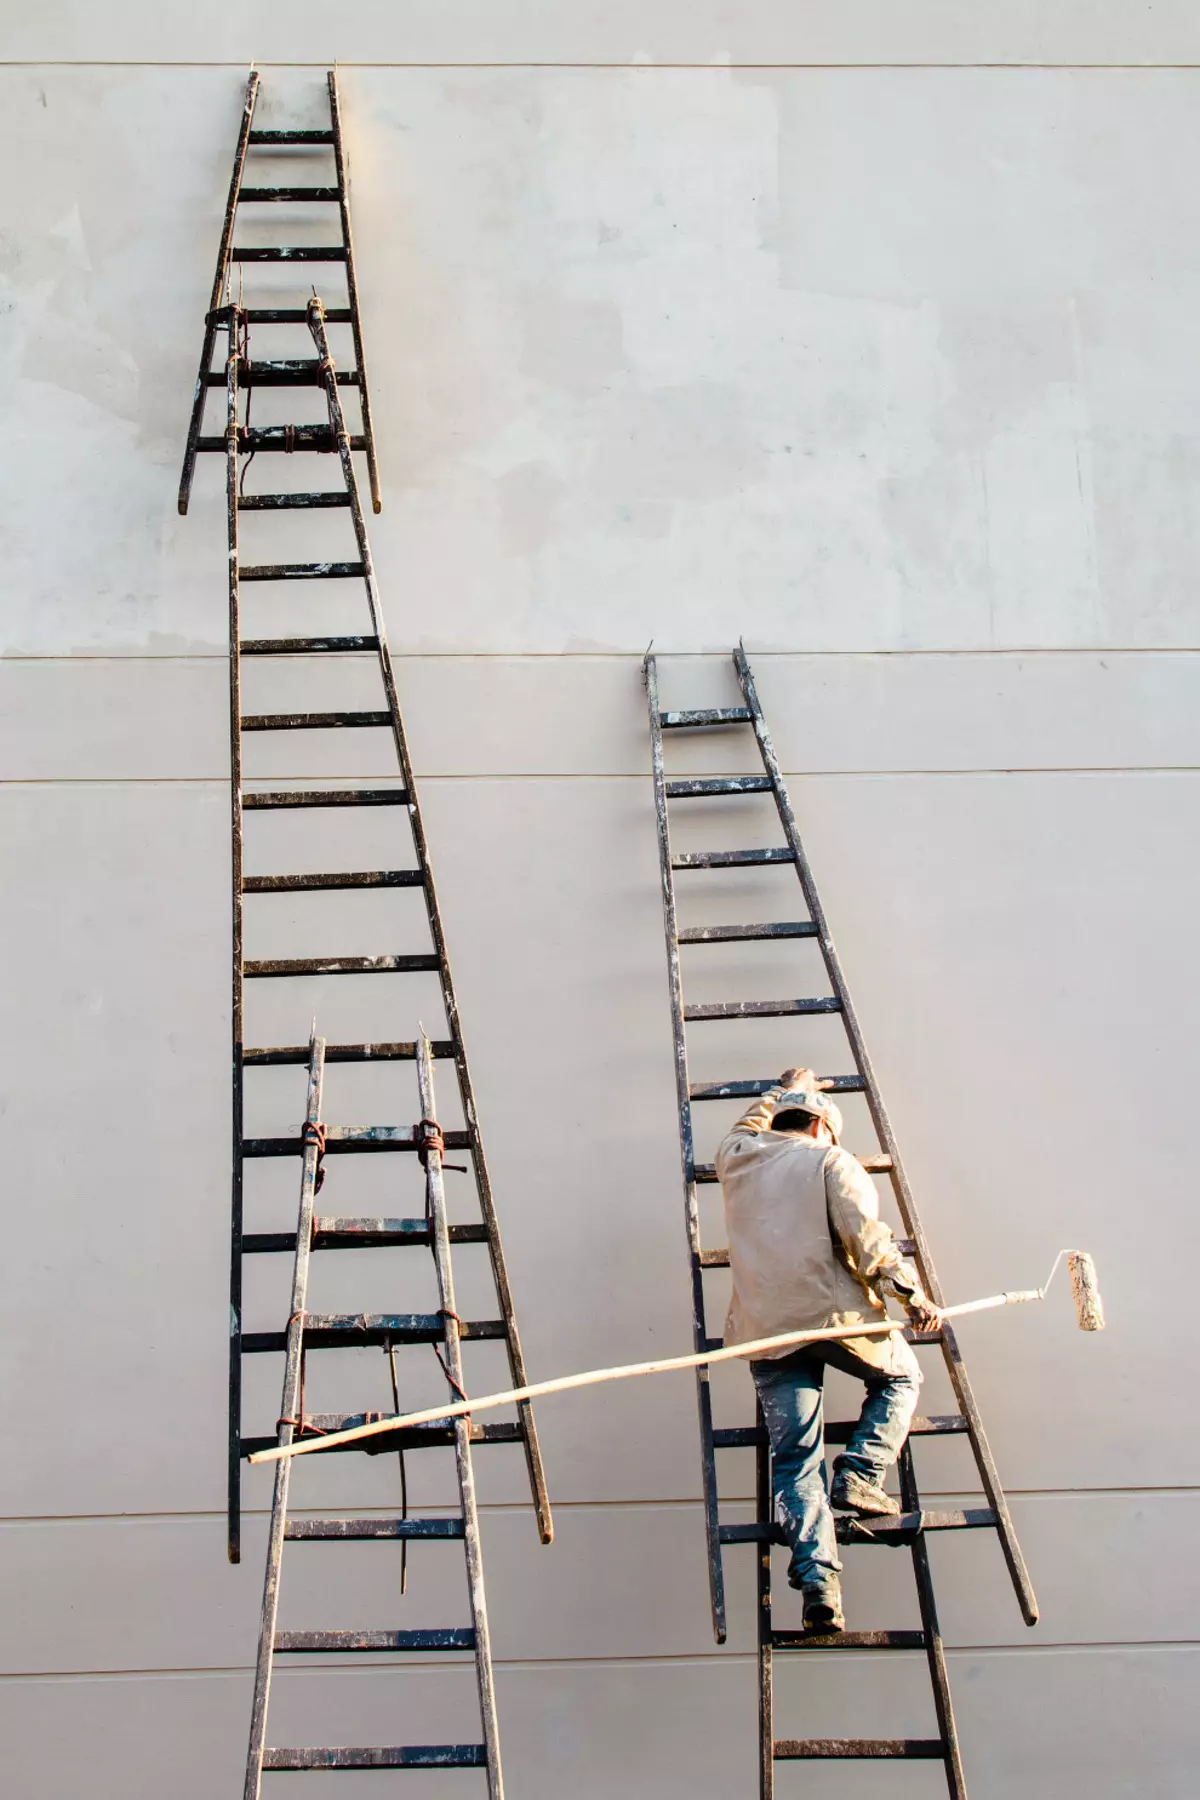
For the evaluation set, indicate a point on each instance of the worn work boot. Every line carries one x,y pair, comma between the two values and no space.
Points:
852,1492
823,1615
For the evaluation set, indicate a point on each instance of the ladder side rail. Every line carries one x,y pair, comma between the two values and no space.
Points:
288,1415
237,904
343,185
716,1573
218,288
516,1360
960,1382
766,1653
435,1202
943,1704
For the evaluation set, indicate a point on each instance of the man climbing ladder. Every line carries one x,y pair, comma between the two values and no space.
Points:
807,1249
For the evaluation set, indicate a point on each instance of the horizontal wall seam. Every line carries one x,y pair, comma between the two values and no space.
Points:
13,658
466,1666
251,782
680,1503
629,66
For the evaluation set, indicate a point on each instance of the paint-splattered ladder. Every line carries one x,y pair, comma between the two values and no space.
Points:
307,1331
913,1526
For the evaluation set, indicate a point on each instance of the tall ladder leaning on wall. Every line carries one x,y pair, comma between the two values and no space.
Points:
308,1331
915,1522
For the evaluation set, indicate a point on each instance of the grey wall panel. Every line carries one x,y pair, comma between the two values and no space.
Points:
621,398
135,718
1119,1720
759,31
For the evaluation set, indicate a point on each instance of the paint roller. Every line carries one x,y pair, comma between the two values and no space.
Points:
1085,1290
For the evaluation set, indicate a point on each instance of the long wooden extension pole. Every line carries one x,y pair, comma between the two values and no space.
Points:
625,1372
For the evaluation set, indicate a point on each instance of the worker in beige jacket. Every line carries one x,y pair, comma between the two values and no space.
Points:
808,1249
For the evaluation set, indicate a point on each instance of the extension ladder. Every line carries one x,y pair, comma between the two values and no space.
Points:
303,1331
284,373
240,376
913,1524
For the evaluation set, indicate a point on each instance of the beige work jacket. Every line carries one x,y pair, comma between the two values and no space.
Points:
807,1247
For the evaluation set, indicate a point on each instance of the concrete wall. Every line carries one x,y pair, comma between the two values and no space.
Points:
888,369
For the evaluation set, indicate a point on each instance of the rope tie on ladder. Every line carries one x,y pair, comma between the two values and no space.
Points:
301,1426
313,1132
447,1313
289,439
429,1137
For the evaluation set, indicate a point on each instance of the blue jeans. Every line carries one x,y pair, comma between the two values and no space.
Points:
791,1393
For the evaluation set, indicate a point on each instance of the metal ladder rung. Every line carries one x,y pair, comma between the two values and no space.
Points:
276,437
332,721
247,195
341,965
315,1531
324,497
277,253
291,137
709,715
266,800
335,879
296,315
301,373
795,1749
396,1756
761,1009
349,1140
902,1525
732,859
837,1431
359,1234
746,934
309,646
433,1436
403,1050
337,1331
724,784
749,1090
847,1640
371,1643
331,571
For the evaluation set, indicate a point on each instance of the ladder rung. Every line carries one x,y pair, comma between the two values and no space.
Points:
761,1009
748,1090
352,1140
706,1173
731,859
248,194
341,1331
291,137
413,1437
395,1756
296,315
403,1050
281,437
837,1431
333,721
744,934
278,253
725,784
848,1640
342,965
976,1518
337,879
396,796
711,715
311,1531
359,1234
307,1643
793,1749
293,502
301,372
311,646
331,571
